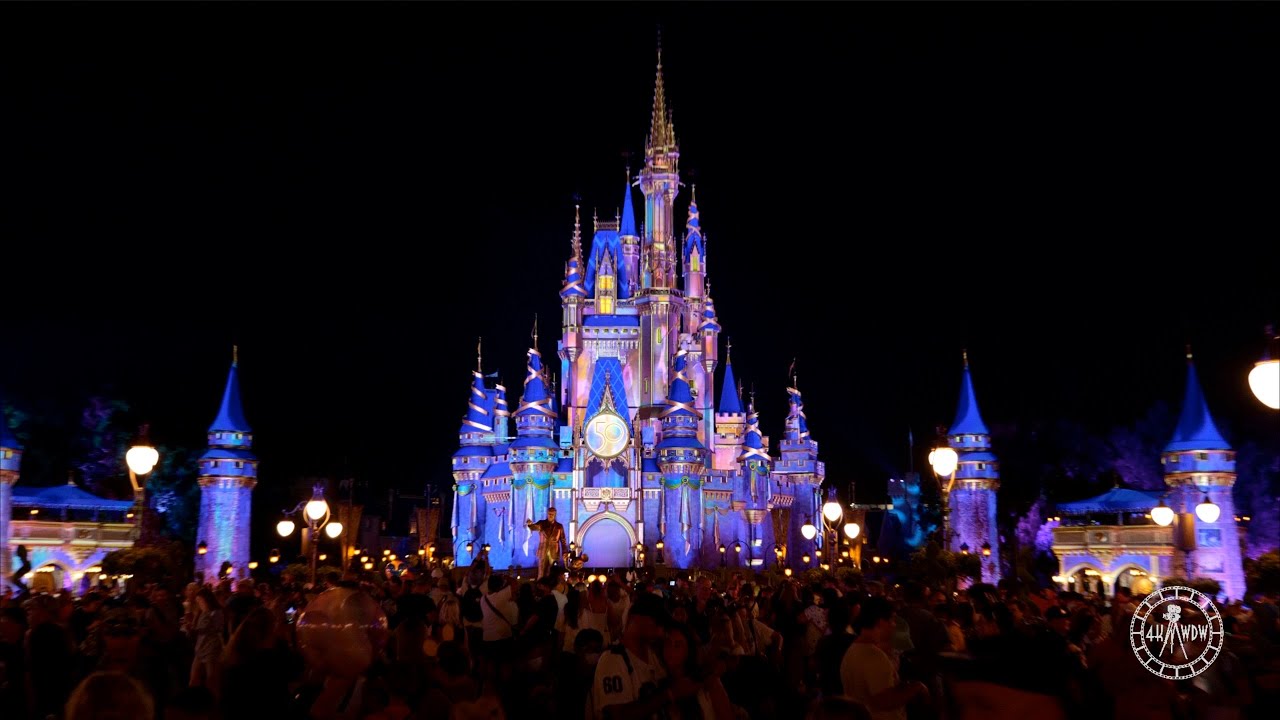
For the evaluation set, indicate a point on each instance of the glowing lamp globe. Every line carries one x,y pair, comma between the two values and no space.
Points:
852,530
808,531
141,459
832,511
944,461
333,529
1264,380
1162,515
1207,511
316,509
285,528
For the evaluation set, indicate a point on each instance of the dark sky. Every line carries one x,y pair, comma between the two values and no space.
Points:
353,193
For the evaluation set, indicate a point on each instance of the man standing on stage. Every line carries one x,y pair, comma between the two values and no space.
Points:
551,544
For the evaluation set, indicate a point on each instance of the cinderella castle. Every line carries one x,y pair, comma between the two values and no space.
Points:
640,461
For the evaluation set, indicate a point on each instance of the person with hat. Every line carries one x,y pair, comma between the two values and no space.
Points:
628,675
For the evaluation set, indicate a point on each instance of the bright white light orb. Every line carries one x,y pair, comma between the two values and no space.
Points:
1162,515
832,511
141,459
808,531
333,529
944,461
1207,511
316,509
1264,380
285,528
852,530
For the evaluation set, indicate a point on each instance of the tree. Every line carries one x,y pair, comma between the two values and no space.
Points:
1262,574
101,446
167,563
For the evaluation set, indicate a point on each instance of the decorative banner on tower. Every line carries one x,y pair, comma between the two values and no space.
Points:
684,514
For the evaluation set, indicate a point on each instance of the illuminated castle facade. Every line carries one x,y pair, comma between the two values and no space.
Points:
632,448
227,475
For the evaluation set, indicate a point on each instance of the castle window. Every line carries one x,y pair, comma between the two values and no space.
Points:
1202,456
239,436
239,465
982,466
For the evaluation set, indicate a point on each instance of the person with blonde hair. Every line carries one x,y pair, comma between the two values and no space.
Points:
110,696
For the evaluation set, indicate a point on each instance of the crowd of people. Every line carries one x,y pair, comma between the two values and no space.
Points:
479,645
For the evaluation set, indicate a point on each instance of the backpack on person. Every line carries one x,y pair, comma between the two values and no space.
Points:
471,611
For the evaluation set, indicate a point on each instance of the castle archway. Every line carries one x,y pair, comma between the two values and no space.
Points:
607,539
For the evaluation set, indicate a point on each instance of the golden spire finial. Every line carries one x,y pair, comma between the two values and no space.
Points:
1189,356
661,134
479,366
577,234
728,351
535,331
965,355
693,194
235,355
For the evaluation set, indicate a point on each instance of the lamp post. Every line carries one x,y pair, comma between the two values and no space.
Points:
141,458
832,514
944,460
316,512
1264,379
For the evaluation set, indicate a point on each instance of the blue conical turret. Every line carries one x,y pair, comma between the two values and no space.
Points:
797,426
479,417
501,413
1196,429
535,420
8,440
628,222
730,400
753,441
230,415
573,281
968,420
228,473
680,418
693,239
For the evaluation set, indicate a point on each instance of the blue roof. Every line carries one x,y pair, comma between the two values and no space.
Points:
693,233
228,454
611,321
573,286
797,413
474,451
565,465
980,456
669,441
679,398
1196,429
535,399
500,407
650,465
479,417
498,470
1114,500
543,441
608,241
968,420
66,496
753,443
230,415
628,227
730,402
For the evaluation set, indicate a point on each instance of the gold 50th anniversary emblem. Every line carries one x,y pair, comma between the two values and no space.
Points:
1176,632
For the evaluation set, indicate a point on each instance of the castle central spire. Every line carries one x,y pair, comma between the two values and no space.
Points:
662,134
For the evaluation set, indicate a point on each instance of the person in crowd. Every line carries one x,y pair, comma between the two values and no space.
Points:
867,674
110,696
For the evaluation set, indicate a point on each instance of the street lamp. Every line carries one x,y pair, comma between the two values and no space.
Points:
944,460
316,512
141,458
851,530
808,531
1207,511
1264,379
1162,514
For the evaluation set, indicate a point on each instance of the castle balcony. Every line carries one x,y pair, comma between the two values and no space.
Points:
41,533
1113,540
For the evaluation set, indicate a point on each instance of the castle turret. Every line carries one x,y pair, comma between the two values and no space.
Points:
532,455
695,252
755,492
1199,466
228,473
731,421
660,181
629,238
972,501
501,414
606,286
682,459
473,458
572,296
10,461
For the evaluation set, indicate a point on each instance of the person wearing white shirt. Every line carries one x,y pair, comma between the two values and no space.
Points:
498,626
867,674
628,675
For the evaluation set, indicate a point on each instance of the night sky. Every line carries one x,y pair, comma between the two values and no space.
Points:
354,193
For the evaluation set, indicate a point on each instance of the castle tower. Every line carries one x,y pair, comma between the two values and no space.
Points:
682,459
754,492
501,414
629,238
695,252
227,475
1198,462
532,456
473,458
974,483
10,460
709,329
730,420
572,296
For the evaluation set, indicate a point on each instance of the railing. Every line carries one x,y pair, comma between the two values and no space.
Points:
86,534
1111,537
